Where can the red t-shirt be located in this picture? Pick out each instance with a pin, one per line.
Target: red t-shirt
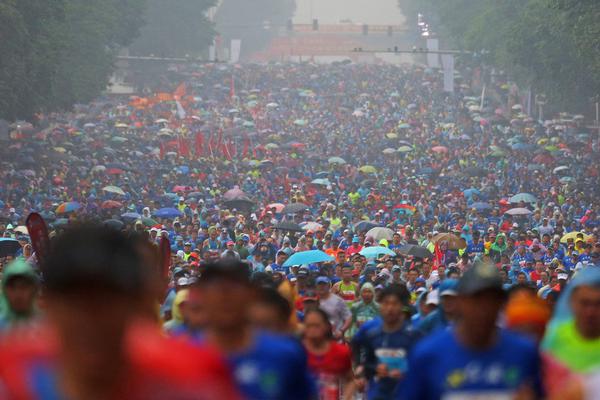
(337, 361)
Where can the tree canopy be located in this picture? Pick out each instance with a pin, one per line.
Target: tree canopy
(58, 52)
(552, 45)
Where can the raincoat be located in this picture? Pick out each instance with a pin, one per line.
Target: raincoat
(497, 250)
(567, 355)
(8, 317)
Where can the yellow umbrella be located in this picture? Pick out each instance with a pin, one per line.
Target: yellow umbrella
(60, 149)
(368, 169)
(391, 135)
(573, 235)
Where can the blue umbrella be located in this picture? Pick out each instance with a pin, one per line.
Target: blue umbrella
(470, 192)
(525, 197)
(376, 251)
(480, 206)
(184, 169)
(521, 146)
(167, 213)
(307, 257)
(364, 226)
(9, 247)
(131, 215)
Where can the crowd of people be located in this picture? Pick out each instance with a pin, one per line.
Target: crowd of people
(302, 231)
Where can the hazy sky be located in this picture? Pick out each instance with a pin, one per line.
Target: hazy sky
(384, 12)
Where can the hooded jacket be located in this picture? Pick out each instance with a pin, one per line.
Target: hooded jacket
(8, 317)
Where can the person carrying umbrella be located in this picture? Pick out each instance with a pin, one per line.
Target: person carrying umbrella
(20, 287)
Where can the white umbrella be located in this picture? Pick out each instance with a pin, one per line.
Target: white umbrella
(114, 189)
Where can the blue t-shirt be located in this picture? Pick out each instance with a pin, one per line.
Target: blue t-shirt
(441, 367)
(376, 346)
(275, 367)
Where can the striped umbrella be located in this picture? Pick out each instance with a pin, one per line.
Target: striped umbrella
(68, 207)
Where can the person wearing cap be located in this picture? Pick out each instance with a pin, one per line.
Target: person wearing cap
(20, 287)
(471, 358)
(265, 365)
(355, 247)
(230, 250)
(381, 346)
(445, 314)
(241, 248)
(571, 345)
(100, 338)
(334, 306)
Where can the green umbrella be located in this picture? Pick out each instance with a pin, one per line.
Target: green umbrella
(404, 149)
(300, 122)
(336, 160)
(149, 221)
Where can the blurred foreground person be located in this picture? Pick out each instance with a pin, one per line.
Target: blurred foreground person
(265, 365)
(571, 346)
(381, 346)
(99, 342)
(329, 361)
(19, 293)
(475, 358)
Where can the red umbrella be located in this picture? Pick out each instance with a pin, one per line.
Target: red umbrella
(180, 188)
(114, 171)
(234, 193)
(108, 204)
(278, 207)
(439, 149)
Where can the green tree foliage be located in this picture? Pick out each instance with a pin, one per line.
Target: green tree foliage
(58, 52)
(175, 28)
(245, 20)
(552, 45)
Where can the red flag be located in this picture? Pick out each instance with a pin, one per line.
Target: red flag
(162, 151)
(246, 147)
(180, 91)
(184, 147)
(199, 144)
(438, 256)
(38, 232)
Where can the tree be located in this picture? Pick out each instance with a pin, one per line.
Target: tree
(58, 52)
(175, 28)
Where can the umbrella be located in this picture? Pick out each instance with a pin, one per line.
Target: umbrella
(376, 251)
(98, 168)
(149, 221)
(471, 191)
(114, 224)
(566, 179)
(108, 204)
(379, 233)
(68, 207)
(22, 229)
(416, 251)
(242, 203)
(525, 197)
(518, 211)
(288, 226)
(336, 160)
(321, 182)
(114, 189)
(439, 149)
(234, 193)
(131, 215)
(300, 122)
(368, 169)
(167, 213)
(294, 208)
(364, 226)
(391, 135)
(561, 168)
(573, 235)
(9, 247)
(307, 257)
(311, 226)
(278, 207)
(480, 206)
(454, 242)
(404, 149)
(389, 150)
